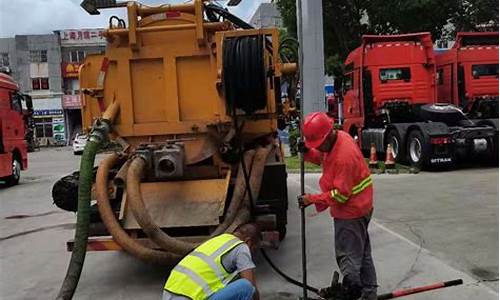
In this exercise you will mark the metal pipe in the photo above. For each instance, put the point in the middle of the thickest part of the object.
(207, 26)
(115, 229)
(150, 228)
(144, 11)
(301, 155)
(410, 291)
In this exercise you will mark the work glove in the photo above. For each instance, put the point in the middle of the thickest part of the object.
(301, 147)
(303, 201)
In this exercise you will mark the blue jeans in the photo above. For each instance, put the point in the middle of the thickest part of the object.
(240, 289)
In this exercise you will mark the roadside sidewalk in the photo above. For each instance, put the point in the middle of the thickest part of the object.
(400, 263)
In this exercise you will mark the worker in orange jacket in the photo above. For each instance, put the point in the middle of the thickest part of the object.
(347, 189)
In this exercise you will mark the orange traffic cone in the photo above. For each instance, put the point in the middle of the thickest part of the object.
(373, 163)
(389, 163)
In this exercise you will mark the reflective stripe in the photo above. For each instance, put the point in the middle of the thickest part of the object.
(224, 247)
(211, 262)
(338, 196)
(196, 278)
(229, 278)
(201, 273)
(362, 185)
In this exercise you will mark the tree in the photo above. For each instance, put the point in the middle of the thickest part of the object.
(345, 21)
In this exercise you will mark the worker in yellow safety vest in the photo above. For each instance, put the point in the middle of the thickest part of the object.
(219, 269)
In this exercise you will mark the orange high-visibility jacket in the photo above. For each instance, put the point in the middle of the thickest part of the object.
(346, 183)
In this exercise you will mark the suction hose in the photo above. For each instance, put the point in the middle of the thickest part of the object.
(238, 195)
(119, 235)
(253, 185)
(150, 228)
(98, 135)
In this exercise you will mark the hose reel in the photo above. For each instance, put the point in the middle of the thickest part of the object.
(244, 73)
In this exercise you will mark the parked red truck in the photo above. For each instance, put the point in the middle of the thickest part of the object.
(13, 146)
(390, 96)
(467, 76)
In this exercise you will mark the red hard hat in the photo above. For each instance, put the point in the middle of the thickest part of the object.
(317, 126)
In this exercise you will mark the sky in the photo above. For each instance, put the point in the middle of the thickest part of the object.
(44, 16)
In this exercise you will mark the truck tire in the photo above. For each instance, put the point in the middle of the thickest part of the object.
(394, 139)
(16, 172)
(417, 149)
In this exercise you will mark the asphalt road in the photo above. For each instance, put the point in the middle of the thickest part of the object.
(427, 227)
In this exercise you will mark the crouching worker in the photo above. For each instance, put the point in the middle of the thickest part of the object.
(219, 269)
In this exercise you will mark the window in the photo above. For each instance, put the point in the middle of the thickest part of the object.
(440, 75)
(348, 79)
(44, 83)
(38, 56)
(35, 83)
(76, 56)
(4, 59)
(395, 74)
(43, 127)
(40, 83)
(15, 102)
(484, 70)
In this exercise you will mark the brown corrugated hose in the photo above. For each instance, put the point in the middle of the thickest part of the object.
(238, 195)
(119, 235)
(143, 218)
(255, 182)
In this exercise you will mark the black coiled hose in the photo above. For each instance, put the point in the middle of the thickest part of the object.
(244, 73)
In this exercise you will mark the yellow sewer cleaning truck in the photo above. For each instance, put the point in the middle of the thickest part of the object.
(191, 95)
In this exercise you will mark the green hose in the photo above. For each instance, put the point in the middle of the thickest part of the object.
(82, 222)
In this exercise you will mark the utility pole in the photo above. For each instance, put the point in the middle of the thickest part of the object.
(312, 62)
(312, 88)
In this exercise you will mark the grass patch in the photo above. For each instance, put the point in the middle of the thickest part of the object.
(293, 163)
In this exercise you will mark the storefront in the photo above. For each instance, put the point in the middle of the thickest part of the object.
(50, 129)
(72, 115)
(75, 45)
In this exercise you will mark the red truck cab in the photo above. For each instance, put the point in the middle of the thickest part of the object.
(387, 73)
(390, 96)
(468, 74)
(13, 146)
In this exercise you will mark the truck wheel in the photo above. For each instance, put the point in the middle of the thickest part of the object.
(16, 172)
(416, 148)
(394, 139)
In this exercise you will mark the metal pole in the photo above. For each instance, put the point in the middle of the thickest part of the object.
(301, 155)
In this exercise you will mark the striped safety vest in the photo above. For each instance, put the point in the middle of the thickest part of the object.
(201, 273)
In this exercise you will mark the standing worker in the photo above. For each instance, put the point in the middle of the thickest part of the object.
(347, 189)
(210, 270)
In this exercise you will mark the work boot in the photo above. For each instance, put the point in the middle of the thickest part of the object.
(339, 292)
(368, 296)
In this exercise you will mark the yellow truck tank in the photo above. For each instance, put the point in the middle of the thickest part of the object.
(194, 94)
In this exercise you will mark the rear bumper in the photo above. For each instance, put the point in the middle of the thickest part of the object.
(78, 148)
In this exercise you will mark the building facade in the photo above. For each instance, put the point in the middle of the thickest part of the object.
(266, 15)
(75, 45)
(46, 68)
(34, 62)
